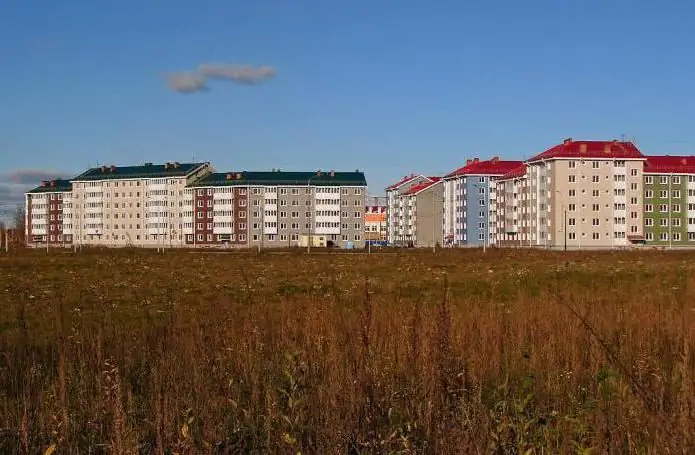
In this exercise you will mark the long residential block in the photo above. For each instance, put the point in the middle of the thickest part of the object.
(190, 205)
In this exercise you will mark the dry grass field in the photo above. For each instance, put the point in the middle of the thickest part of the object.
(508, 352)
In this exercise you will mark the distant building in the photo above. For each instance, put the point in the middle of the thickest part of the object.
(669, 201)
(375, 223)
(422, 214)
(188, 205)
(396, 211)
(279, 209)
(470, 201)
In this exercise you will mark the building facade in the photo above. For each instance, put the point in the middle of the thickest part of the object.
(396, 230)
(586, 194)
(423, 206)
(512, 224)
(146, 205)
(280, 209)
(669, 201)
(48, 214)
(188, 205)
(375, 227)
(470, 207)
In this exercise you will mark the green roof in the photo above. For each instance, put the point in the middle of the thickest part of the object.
(281, 178)
(148, 170)
(53, 186)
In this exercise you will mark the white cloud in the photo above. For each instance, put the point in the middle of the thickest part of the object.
(197, 81)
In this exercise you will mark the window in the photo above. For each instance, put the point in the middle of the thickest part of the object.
(676, 222)
(663, 222)
(649, 236)
(648, 180)
(572, 207)
(663, 236)
(572, 178)
(595, 164)
(676, 180)
(649, 222)
(594, 193)
(595, 207)
(595, 222)
(572, 193)
(572, 236)
(676, 194)
(594, 179)
(572, 164)
(595, 235)
(633, 172)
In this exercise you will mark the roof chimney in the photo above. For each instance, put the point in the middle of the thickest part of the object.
(582, 148)
(318, 172)
(607, 147)
(684, 161)
(228, 177)
(332, 173)
(495, 159)
(113, 168)
(166, 165)
(567, 141)
(238, 175)
(177, 164)
(102, 169)
(53, 183)
(469, 162)
(476, 160)
(44, 183)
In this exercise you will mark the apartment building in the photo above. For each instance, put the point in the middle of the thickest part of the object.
(375, 227)
(48, 214)
(395, 226)
(669, 201)
(512, 223)
(146, 205)
(586, 194)
(279, 209)
(470, 209)
(422, 209)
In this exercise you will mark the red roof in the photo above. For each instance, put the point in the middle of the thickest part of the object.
(403, 181)
(421, 186)
(495, 166)
(670, 165)
(590, 150)
(517, 172)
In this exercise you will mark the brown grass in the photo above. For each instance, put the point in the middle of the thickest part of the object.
(459, 352)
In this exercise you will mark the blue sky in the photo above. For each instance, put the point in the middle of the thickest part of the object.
(385, 86)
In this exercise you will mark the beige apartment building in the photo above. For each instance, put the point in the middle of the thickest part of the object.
(585, 194)
(396, 217)
(423, 208)
(146, 205)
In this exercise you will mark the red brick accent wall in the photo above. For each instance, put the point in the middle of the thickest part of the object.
(200, 225)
